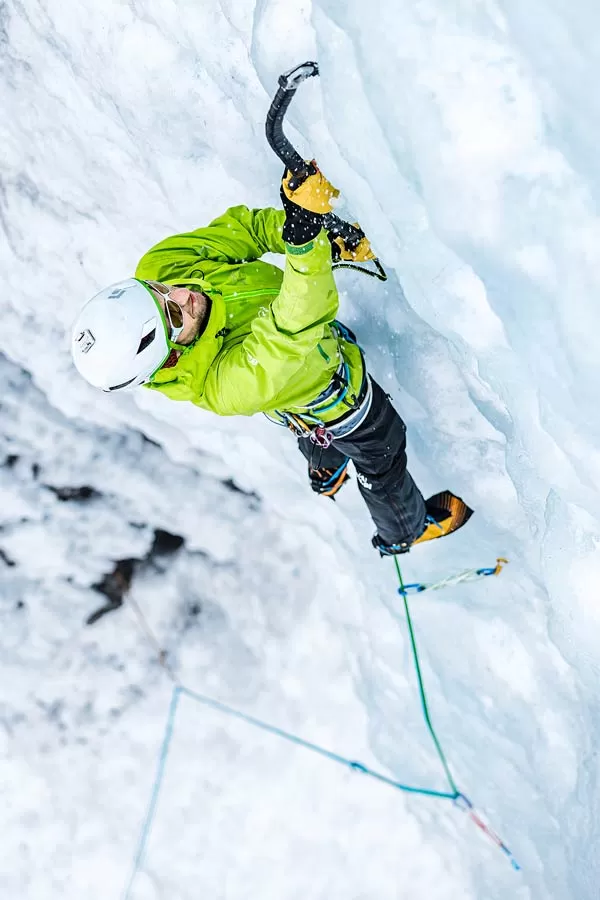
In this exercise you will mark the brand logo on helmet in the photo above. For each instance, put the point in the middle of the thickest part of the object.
(85, 340)
(118, 292)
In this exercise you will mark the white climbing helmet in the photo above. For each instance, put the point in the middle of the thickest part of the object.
(120, 337)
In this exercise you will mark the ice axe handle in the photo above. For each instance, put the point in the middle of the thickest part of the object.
(288, 85)
(289, 156)
(350, 234)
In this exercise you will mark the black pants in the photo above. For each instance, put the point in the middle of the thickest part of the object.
(378, 450)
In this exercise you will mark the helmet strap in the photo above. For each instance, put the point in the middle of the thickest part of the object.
(175, 346)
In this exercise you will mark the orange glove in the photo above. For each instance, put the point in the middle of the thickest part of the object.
(314, 194)
(361, 253)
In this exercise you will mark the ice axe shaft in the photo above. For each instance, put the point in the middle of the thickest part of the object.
(289, 156)
(289, 83)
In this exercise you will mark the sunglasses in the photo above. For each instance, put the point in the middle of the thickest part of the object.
(172, 310)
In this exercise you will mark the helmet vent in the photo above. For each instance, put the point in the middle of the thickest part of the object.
(146, 340)
(148, 334)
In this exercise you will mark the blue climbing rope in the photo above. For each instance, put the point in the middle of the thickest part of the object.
(180, 690)
(307, 745)
(160, 771)
(459, 799)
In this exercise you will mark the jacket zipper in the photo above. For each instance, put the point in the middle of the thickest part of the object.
(245, 294)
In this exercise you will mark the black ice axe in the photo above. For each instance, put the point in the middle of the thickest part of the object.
(289, 83)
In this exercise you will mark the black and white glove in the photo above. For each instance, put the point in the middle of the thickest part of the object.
(301, 225)
(305, 206)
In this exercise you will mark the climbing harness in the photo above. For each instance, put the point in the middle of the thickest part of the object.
(307, 424)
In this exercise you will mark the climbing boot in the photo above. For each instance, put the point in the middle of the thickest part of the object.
(445, 514)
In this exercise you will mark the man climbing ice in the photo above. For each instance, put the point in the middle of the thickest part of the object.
(206, 320)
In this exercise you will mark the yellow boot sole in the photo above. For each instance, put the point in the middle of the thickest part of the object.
(458, 514)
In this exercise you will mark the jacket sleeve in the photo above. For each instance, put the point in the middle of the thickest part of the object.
(246, 377)
(244, 234)
(239, 234)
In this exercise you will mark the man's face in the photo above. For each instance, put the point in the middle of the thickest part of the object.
(192, 306)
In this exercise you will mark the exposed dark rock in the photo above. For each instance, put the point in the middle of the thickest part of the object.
(102, 610)
(164, 543)
(6, 559)
(74, 493)
(117, 583)
(114, 586)
(230, 484)
(147, 440)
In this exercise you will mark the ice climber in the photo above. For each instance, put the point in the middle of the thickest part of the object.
(207, 321)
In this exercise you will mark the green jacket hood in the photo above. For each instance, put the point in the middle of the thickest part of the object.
(187, 377)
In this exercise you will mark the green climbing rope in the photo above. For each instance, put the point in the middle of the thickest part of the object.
(422, 693)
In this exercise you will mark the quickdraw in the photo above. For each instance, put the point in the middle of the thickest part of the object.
(321, 437)
(459, 578)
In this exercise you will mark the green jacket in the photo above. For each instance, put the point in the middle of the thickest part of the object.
(269, 344)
